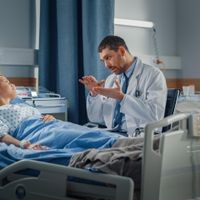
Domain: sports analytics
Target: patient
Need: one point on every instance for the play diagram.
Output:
(25, 127)
(12, 115)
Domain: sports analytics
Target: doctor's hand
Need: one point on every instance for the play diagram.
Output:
(90, 82)
(115, 93)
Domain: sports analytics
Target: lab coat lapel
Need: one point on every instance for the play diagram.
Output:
(111, 103)
(136, 73)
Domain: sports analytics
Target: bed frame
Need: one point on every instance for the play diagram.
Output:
(55, 182)
(172, 172)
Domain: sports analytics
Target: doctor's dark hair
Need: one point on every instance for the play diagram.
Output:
(112, 42)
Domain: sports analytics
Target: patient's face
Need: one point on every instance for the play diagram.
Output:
(7, 89)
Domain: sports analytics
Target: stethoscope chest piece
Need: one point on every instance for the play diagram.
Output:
(137, 93)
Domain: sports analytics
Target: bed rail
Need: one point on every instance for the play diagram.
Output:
(44, 181)
(172, 171)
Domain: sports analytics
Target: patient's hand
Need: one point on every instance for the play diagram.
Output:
(28, 145)
(47, 118)
(37, 147)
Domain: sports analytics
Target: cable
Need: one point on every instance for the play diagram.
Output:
(155, 44)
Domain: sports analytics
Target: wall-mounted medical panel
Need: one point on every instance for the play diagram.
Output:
(167, 62)
(18, 56)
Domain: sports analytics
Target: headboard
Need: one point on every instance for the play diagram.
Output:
(23, 81)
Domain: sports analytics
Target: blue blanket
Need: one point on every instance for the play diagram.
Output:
(63, 139)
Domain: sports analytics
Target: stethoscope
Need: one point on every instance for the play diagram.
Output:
(138, 93)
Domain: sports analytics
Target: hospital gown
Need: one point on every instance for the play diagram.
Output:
(11, 115)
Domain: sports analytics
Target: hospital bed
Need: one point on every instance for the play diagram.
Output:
(170, 172)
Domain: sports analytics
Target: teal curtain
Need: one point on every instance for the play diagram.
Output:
(70, 31)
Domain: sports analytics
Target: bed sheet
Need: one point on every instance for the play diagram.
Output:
(63, 139)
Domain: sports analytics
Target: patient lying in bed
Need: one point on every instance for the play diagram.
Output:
(26, 134)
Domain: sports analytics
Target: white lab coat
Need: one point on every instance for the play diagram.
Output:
(139, 111)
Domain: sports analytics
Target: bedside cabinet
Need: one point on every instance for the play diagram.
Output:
(56, 106)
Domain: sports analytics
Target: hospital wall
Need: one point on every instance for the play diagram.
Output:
(178, 31)
(188, 37)
(177, 25)
(17, 22)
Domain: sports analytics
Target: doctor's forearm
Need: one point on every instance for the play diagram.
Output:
(95, 115)
(139, 109)
(94, 112)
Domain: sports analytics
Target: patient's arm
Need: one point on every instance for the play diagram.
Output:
(8, 139)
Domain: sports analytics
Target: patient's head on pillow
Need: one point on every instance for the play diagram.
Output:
(7, 90)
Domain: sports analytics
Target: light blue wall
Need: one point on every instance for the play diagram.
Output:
(17, 22)
(188, 37)
(177, 24)
(162, 13)
(178, 30)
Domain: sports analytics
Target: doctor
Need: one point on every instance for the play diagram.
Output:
(131, 97)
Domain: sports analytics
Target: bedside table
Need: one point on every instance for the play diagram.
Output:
(56, 106)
